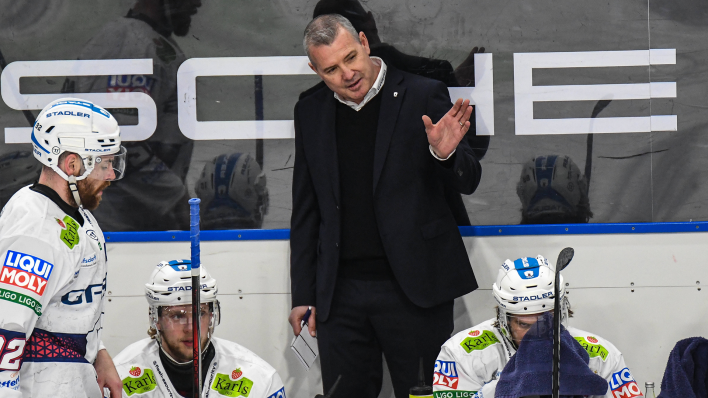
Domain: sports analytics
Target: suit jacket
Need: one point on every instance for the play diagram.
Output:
(418, 231)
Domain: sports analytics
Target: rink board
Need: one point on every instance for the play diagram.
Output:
(643, 292)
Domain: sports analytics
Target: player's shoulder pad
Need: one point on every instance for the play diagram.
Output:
(596, 346)
(135, 351)
(474, 340)
(229, 351)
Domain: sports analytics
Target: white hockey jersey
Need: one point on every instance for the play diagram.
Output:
(470, 363)
(52, 286)
(234, 372)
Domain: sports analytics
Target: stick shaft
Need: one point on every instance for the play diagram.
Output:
(196, 289)
(556, 334)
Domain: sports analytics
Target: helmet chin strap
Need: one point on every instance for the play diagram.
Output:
(74, 189)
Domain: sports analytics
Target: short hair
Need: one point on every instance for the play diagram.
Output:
(324, 29)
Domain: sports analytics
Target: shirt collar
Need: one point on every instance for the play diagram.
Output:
(72, 212)
(378, 84)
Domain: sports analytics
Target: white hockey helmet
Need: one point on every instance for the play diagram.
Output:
(233, 191)
(525, 287)
(83, 128)
(552, 189)
(171, 285)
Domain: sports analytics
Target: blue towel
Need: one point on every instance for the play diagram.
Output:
(686, 374)
(530, 370)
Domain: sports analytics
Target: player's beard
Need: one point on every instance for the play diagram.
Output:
(89, 192)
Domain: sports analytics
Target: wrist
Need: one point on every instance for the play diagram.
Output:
(438, 157)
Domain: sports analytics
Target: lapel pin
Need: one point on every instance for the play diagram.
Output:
(395, 93)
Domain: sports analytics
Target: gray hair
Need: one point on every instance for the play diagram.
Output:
(323, 30)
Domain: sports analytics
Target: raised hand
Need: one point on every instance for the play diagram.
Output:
(444, 136)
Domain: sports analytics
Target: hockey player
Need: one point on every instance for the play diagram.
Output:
(153, 191)
(233, 191)
(53, 274)
(161, 365)
(470, 363)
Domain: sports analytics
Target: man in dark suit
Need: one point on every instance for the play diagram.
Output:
(376, 253)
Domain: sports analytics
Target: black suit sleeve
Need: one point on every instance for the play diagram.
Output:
(462, 171)
(304, 228)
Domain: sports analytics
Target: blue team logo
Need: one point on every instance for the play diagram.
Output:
(445, 374)
(278, 394)
(623, 385)
(180, 265)
(527, 267)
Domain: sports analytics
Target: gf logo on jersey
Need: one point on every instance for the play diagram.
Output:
(445, 374)
(623, 385)
(278, 394)
(25, 271)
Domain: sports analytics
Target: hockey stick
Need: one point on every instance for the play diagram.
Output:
(196, 308)
(601, 104)
(563, 260)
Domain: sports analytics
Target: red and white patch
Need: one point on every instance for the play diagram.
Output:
(623, 385)
(592, 339)
(236, 374)
(475, 333)
(135, 371)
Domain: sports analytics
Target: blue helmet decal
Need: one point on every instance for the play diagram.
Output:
(527, 267)
(85, 105)
(181, 265)
(34, 139)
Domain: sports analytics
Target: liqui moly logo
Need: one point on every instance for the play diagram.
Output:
(445, 374)
(623, 385)
(25, 271)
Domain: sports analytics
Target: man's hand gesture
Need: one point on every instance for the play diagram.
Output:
(444, 136)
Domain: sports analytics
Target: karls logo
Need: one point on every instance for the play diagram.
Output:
(144, 382)
(623, 385)
(445, 374)
(25, 271)
(131, 75)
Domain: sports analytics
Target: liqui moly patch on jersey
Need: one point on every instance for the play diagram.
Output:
(623, 385)
(445, 374)
(25, 271)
